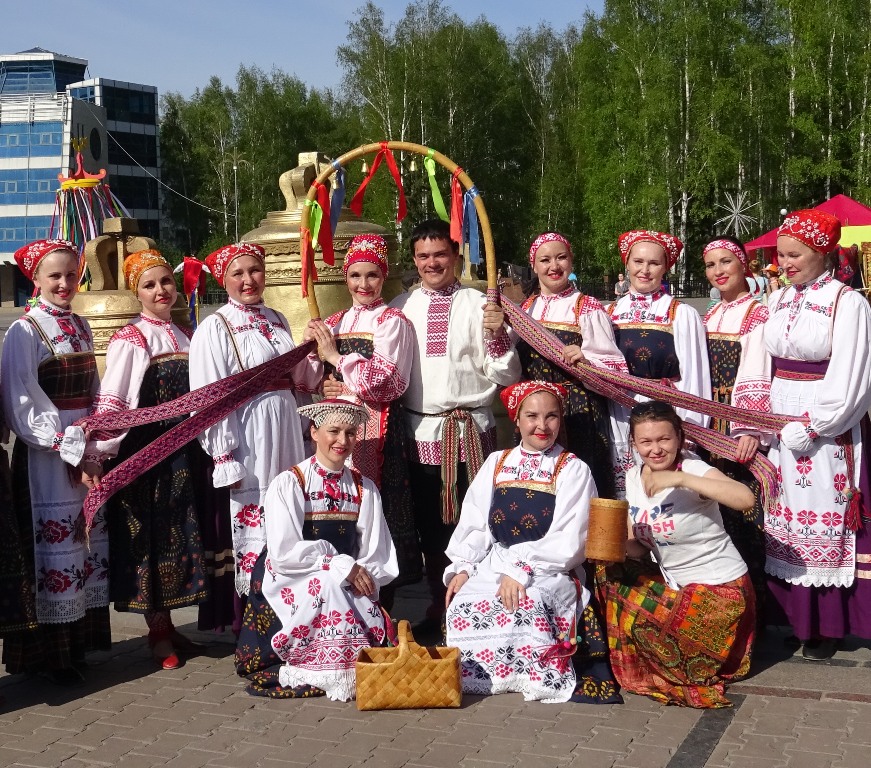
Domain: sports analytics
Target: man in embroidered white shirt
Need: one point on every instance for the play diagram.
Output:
(463, 355)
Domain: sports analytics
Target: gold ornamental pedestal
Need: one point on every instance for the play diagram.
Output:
(278, 233)
(108, 305)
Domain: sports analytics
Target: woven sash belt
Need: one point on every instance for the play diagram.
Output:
(799, 370)
(451, 456)
(209, 405)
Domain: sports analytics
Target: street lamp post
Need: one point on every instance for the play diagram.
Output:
(236, 159)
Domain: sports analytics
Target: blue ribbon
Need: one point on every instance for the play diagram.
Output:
(192, 305)
(338, 197)
(470, 226)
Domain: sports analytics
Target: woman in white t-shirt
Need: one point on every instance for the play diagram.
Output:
(681, 610)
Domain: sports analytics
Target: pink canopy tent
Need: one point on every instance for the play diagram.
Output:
(849, 211)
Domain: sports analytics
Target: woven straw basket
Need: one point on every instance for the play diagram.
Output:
(408, 677)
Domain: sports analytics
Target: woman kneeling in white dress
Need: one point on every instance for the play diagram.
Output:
(314, 591)
(517, 605)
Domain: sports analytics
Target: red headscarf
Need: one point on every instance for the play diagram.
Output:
(369, 248)
(218, 261)
(29, 256)
(547, 237)
(514, 395)
(816, 229)
(729, 246)
(670, 244)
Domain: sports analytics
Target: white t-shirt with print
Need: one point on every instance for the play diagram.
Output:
(684, 531)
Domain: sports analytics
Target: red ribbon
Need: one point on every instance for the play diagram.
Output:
(193, 276)
(457, 207)
(386, 154)
(307, 257)
(325, 233)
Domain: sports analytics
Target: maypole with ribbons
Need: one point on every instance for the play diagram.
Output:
(83, 201)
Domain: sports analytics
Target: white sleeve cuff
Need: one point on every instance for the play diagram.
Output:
(227, 471)
(72, 446)
(795, 437)
(461, 566)
(339, 567)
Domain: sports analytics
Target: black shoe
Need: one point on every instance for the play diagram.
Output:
(820, 649)
(68, 677)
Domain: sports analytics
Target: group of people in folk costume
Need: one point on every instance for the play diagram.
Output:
(300, 553)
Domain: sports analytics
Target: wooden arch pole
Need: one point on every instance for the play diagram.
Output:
(445, 162)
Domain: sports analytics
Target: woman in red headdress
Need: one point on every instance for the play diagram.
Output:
(517, 604)
(264, 437)
(736, 349)
(154, 532)
(57, 609)
(581, 323)
(660, 337)
(818, 539)
(369, 350)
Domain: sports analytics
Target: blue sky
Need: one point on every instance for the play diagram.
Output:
(178, 44)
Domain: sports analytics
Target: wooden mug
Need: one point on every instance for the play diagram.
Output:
(608, 530)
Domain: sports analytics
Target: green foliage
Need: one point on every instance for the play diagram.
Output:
(645, 115)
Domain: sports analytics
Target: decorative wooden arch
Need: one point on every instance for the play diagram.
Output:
(404, 146)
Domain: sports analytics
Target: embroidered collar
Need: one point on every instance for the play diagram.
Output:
(165, 324)
(822, 281)
(727, 305)
(525, 454)
(324, 472)
(251, 309)
(52, 309)
(646, 298)
(449, 291)
(561, 295)
(379, 302)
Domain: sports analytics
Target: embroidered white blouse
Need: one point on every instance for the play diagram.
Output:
(259, 334)
(285, 507)
(29, 412)
(598, 343)
(130, 352)
(454, 365)
(560, 550)
(385, 376)
(689, 342)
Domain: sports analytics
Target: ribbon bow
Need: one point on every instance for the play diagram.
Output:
(383, 154)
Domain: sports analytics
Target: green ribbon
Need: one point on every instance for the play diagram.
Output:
(314, 219)
(437, 199)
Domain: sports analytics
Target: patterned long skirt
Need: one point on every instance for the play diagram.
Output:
(676, 646)
(301, 635)
(255, 657)
(154, 531)
(523, 651)
(33, 646)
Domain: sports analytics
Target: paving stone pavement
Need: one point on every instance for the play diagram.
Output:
(790, 714)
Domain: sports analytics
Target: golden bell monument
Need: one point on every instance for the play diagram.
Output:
(278, 233)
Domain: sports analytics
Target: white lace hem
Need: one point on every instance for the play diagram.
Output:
(522, 684)
(338, 684)
(842, 577)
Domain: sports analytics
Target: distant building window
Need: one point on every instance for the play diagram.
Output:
(45, 138)
(9, 186)
(12, 139)
(43, 186)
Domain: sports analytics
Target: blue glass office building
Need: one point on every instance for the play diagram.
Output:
(45, 101)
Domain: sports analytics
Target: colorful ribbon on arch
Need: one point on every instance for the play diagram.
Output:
(437, 199)
(387, 155)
